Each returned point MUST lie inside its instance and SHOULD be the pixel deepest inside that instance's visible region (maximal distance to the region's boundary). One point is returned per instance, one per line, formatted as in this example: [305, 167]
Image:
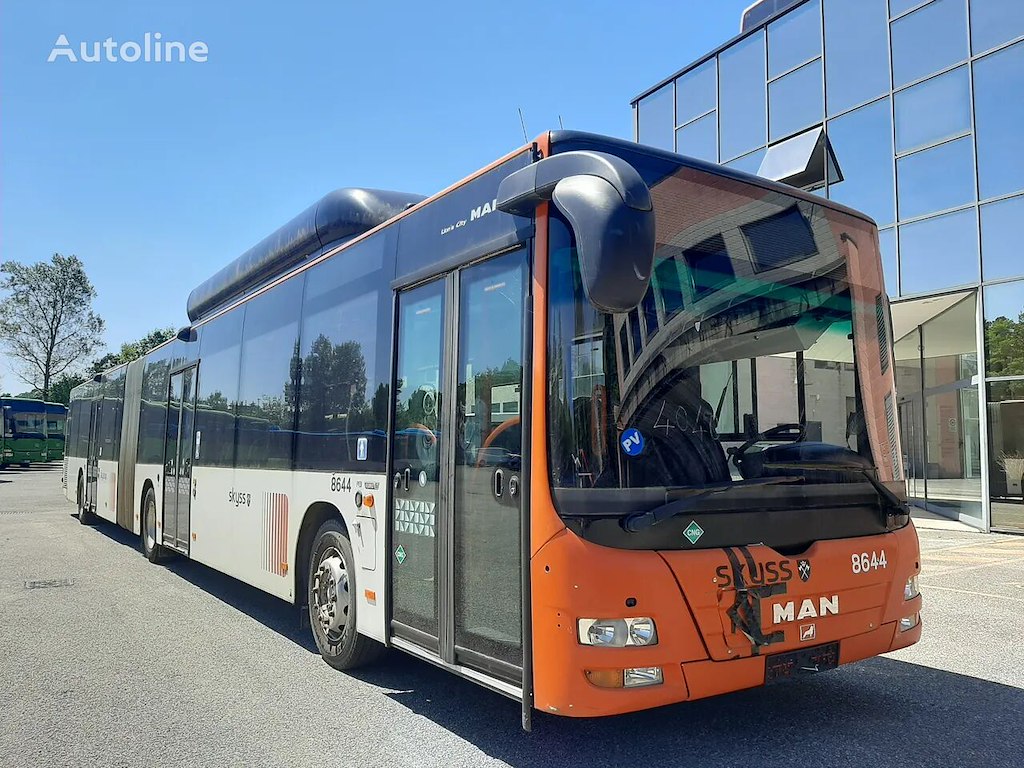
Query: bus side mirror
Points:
[609, 208]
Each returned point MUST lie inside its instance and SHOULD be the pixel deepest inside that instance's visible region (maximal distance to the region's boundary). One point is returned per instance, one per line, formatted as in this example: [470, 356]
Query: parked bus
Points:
[56, 420]
[24, 428]
[601, 428]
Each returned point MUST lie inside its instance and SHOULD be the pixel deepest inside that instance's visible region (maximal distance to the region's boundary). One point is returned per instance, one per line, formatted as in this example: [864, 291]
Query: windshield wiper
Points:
[641, 521]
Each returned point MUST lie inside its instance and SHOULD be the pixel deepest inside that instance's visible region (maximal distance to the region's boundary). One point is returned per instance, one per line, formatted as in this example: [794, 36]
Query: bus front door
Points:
[178, 449]
[457, 450]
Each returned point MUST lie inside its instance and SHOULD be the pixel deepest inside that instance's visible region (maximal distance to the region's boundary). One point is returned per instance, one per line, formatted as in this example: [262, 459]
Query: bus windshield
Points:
[28, 424]
[759, 351]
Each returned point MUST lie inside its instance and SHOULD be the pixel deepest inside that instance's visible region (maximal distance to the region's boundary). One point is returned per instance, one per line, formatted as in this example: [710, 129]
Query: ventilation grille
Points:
[275, 533]
[890, 425]
[883, 335]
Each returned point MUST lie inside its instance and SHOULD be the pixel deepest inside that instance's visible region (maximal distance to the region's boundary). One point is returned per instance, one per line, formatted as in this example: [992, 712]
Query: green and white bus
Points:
[24, 429]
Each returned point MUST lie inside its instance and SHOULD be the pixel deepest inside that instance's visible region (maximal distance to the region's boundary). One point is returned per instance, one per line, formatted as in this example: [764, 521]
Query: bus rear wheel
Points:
[150, 547]
[85, 515]
[331, 594]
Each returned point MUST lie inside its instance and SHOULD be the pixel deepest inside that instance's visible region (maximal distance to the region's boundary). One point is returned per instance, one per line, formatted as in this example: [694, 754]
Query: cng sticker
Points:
[693, 532]
[400, 554]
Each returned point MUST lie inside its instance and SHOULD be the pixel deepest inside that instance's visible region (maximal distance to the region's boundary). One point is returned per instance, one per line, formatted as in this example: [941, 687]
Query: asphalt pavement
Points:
[107, 660]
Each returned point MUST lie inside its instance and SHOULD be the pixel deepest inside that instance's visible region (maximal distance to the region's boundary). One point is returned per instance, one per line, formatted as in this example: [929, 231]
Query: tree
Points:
[46, 320]
[131, 350]
[60, 389]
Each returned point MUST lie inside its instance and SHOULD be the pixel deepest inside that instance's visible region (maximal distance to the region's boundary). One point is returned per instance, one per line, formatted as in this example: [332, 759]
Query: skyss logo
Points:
[763, 574]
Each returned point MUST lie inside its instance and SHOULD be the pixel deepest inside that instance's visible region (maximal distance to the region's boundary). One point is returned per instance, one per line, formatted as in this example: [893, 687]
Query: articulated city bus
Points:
[24, 428]
[56, 420]
[600, 427]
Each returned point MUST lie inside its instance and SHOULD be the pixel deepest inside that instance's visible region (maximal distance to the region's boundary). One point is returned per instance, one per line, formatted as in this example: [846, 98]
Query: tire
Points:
[335, 633]
[85, 517]
[153, 551]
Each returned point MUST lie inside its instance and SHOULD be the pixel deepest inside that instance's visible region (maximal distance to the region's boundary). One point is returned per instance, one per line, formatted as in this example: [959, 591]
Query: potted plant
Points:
[1013, 466]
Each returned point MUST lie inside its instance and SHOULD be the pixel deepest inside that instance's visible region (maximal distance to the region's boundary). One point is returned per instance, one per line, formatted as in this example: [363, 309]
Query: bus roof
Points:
[55, 407]
[22, 404]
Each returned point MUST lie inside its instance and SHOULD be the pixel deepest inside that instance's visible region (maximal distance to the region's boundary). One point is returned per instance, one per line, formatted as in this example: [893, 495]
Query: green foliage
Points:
[1004, 342]
[46, 320]
[60, 389]
[131, 350]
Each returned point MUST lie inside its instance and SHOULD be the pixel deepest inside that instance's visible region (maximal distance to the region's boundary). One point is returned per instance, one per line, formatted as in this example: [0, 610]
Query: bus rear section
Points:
[24, 426]
[725, 507]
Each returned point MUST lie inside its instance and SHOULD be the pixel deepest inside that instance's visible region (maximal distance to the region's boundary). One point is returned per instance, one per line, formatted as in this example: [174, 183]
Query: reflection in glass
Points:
[928, 40]
[343, 396]
[1004, 329]
[950, 240]
[742, 108]
[417, 452]
[748, 163]
[1006, 453]
[999, 115]
[933, 110]
[890, 267]
[936, 179]
[896, 7]
[220, 346]
[268, 382]
[488, 455]
[1001, 252]
[907, 351]
[699, 139]
[857, 53]
[655, 119]
[697, 91]
[862, 143]
[952, 416]
[794, 38]
[796, 101]
[994, 22]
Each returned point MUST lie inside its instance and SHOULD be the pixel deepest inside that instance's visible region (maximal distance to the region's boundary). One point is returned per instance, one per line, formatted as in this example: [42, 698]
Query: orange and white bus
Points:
[600, 427]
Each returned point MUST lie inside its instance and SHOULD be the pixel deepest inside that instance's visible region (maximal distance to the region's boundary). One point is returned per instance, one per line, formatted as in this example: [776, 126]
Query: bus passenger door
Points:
[178, 447]
[418, 448]
[92, 459]
[457, 446]
[486, 484]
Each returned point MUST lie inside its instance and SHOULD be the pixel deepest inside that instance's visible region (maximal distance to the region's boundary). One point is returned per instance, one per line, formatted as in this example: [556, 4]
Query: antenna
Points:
[522, 122]
[560, 126]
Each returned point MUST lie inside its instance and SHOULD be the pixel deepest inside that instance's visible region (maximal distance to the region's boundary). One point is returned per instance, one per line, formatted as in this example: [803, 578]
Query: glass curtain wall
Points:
[916, 101]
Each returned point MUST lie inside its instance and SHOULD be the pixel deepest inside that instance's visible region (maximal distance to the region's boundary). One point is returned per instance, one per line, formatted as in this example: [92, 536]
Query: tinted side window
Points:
[153, 408]
[220, 343]
[269, 378]
[345, 360]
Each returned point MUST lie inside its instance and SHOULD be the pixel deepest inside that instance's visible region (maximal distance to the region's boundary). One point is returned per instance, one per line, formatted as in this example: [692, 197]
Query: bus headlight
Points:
[910, 590]
[617, 633]
[909, 622]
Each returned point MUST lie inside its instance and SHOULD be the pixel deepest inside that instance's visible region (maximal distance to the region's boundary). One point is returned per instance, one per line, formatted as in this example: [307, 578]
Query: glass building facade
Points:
[911, 111]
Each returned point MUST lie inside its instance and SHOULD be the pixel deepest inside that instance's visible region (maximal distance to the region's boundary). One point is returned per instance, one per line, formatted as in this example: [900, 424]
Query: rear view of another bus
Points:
[56, 420]
[24, 426]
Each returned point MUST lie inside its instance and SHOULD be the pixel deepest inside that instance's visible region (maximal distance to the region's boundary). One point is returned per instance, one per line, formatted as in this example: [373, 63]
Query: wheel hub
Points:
[331, 594]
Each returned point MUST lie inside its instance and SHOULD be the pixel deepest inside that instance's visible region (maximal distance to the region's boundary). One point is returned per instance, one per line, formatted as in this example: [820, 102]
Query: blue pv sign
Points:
[632, 442]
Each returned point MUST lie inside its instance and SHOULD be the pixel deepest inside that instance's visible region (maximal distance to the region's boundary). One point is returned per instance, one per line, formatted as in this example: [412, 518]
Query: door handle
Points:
[408, 477]
[499, 480]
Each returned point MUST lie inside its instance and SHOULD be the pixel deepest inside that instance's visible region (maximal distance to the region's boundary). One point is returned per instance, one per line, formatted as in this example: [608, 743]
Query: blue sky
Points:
[156, 175]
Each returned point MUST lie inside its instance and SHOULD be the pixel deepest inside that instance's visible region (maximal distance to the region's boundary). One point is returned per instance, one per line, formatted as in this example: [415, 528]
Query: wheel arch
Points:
[316, 514]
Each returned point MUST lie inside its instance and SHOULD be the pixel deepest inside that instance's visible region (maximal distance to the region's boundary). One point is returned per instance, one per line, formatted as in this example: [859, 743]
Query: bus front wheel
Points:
[331, 594]
[85, 516]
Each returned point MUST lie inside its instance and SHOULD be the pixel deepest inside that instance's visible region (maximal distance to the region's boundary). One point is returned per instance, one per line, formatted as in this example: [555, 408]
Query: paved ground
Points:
[137, 665]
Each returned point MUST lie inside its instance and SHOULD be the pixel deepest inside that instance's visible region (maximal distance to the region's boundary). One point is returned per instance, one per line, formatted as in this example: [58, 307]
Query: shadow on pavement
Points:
[880, 712]
[273, 613]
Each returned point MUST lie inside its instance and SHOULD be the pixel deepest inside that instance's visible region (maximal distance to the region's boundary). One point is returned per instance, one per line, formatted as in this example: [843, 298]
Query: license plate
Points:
[806, 661]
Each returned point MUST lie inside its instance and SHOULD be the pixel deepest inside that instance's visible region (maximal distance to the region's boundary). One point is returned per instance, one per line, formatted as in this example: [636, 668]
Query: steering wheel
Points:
[793, 433]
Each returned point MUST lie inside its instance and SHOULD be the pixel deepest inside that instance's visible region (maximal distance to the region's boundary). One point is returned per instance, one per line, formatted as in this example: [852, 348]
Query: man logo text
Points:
[782, 612]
